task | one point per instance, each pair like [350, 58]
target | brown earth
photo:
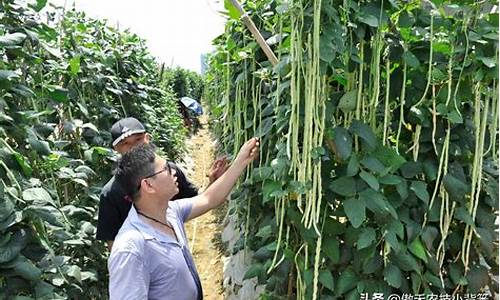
[204, 232]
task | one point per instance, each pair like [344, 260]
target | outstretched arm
[217, 192]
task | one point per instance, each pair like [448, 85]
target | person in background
[150, 258]
[114, 204]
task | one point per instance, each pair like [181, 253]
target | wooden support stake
[256, 34]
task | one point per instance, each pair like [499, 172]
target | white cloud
[176, 31]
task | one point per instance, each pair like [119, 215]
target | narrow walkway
[204, 232]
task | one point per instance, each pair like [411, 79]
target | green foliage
[62, 86]
[410, 143]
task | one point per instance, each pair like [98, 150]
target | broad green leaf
[74, 64]
[12, 39]
[40, 4]
[326, 279]
[74, 271]
[46, 213]
[390, 179]
[377, 203]
[353, 166]
[366, 238]
[370, 180]
[455, 188]
[6, 208]
[270, 190]
[16, 243]
[365, 133]
[38, 196]
[389, 157]
[326, 49]
[393, 275]
[25, 268]
[253, 271]
[331, 249]
[417, 249]
[490, 62]
[463, 215]
[411, 169]
[406, 262]
[343, 142]
[264, 232]
[355, 211]
[345, 186]
[429, 234]
[347, 102]
[232, 11]
[346, 282]
[411, 59]
[23, 163]
[374, 165]
[420, 189]
[478, 278]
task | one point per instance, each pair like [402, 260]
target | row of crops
[64, 80]
[379, 129]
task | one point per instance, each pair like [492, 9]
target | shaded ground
[204, 232]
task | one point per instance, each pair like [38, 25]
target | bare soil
[204, 232]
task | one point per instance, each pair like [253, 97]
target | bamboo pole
[245, 18]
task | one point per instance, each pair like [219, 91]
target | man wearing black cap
[114, 203]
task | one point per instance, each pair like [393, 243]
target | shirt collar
[148, 232]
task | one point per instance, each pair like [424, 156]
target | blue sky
[177, 31]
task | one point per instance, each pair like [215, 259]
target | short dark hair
[134, 166]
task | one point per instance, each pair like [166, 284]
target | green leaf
[374, 165]
[389, 157]
[40, 4]
[74, 271]
[420, 189]
[58, 93]
[74, 64]
[253, 271]
[343, 142]
[38, 196]
[365, 133]
[7, 75]
[16, 243]
[366, 238]
[353, 166]
[48, 214]
[489, 62]
[326, 49]
[270, 190]
[355, 211]
[6, 208]
[331, 249]
[377, 203]
[463, 215]
[232, 11]
[390, 179]
[26, 269]
[417, 249]
[393, 275]
[406, 262]
[326, 279]
[23, 163]
[411, 59]
[478, 278]
[370, 180]
[264, 232]
[347, 102]
[12, 39]
[345, 186]
[455, 188]
[346, 282]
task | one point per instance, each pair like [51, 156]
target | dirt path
[204, 232]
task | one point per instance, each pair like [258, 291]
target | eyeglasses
[165, 168]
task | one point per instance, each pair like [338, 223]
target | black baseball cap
[125, 128]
